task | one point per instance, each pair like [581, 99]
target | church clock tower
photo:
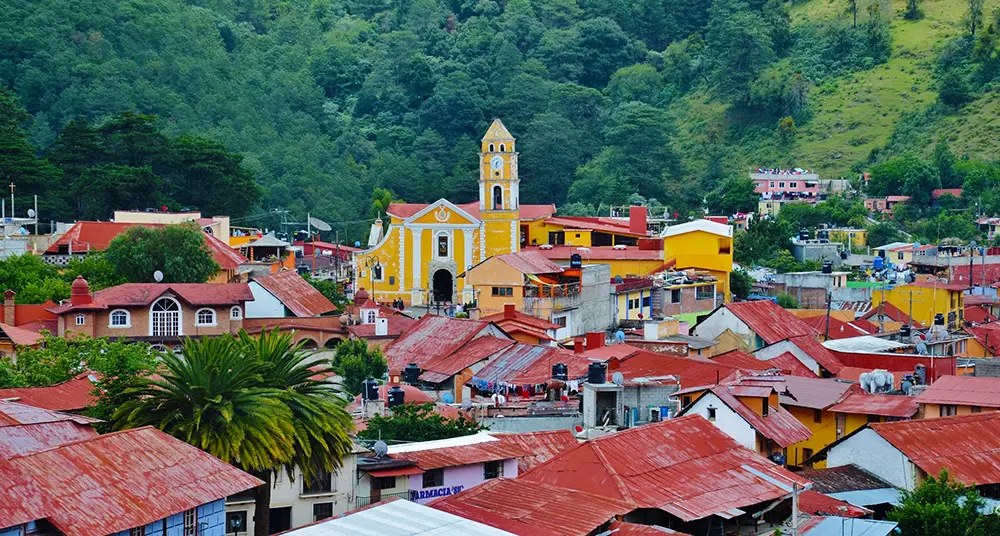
[499, 198]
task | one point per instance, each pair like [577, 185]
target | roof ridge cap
[622, 489]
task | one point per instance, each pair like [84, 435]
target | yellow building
[510, 278]
[926, 299]
[851, 237]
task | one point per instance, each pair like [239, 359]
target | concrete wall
[539, 423]
[456, 479]
[817, 252]
[644, 396]
[871, 452]
[726, 420]
[721, 320]
[778, 348]
[264, 304]
[594, 312]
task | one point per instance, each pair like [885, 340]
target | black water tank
[369, 389]
[803, 234]
[575, 261]
[823, 234]
[939, 319]
[396, 396]
[827, 267]
[597, 373]
[410, 373]
[560, 372]
[843, 255]
[905, 330]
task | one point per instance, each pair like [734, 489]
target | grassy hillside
[856, 113]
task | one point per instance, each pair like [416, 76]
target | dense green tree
[178, 251]
[205, 175]
[417, 422]
[740, 284]
[735, 194]
[740, 46]
[640, 82]
[940, 506]
[355, 362]
[883, 233]
[974, 16]
[18, 163]
[787, 301]
[920, 179]
[329, 289]
[551, 152]
[96, 269]
[762, 240]
[32, 279]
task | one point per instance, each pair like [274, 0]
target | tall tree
[204, 174]
[178, 251]
[417, 422]
[974, 16]
[355, 362]
[740, 46]
[18, 163]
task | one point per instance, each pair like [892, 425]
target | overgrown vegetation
[417, 422]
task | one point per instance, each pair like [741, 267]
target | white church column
[401, 277]
[515, 236]
[467, 259]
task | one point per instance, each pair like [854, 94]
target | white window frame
[437, 240]
[158, 348]
[197, 317]
[81, 320]
[236, 313]
[180, 317]
[111, 319]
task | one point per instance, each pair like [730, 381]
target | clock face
[496, 163]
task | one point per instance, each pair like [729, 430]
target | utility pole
[829, 300]
[12, 200]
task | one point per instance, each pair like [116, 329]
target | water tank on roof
[878, 263]
[920, 374]
[597, 373]
[905, 330]
[843, 255]
[560, 372]
[803, 234]
[823, 234]
[827, 267]
[410, 373]
[939, 319]
[369, 389]
[395, 397]
[575, 261]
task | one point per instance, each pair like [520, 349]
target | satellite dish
[619, 280]
[380, 448]
[357, 243]
[620, 336]
[466, 404]
[319, 224]
[617, 378]
[158, 276]
[447, 398]
[921, 348]
[31, 214]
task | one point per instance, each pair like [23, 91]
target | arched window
[370, 317]
[165, 318]
[205, 317]
[120, 319]
[503, 148]
[491, 147]
[497, 198]
[81, 320]
[158, 348]
[236, 313]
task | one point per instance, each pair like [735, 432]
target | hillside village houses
[622, 388]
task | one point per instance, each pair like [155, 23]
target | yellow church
[420, 257]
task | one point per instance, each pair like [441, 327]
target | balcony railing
[361, 502]
[552, 291]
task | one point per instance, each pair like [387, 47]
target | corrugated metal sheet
[978, 314]
[968, 446]
[451, 456]
[779, 426]
[301, 298]
[430, 338]
[545, 509]
[22, 439]
[398, 518]
[839, 526]
[891, 312]
[818, 352]
[684, 466]
[543, 446]
[963, 390]
[690, 371]
[71, 395]
[14, 413]
[843, 478]
[818, 504]
[126, 479]
[736, 358]
[838, 328]
[21, 500]
[988, 335]
[885, 405]
[531, 364]
[787, 362]
[815, 393]
[530, 262]
[518, 317]
[769, 321]
[871, 497]
[443, 367]
[620, 528]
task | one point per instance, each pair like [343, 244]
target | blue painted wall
[211, 519]
[11, 531]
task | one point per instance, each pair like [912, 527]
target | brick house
[158, 313]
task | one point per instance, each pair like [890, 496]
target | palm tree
[250, 401]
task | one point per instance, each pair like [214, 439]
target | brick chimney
[637, 220]
[578, 345]
[509, 311]
[9, 307]
[595, 339]
[79, 292]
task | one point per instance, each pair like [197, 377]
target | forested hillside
[328, 100]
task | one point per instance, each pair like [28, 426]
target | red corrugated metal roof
[815, 350]
[21, 500]
[963, 390]
[395, 327]
[226, 257]
[530, 262]
[838, 328]
[542, 445]
[530, 364]
[818, 504]
[779, 425]
[769, 321]
[598, 253]
[619, 351]
[736, 358]
[884, 405]
[954, 287]
[960, 274]
[938, 192]
[21, 336]
[445, 366]
[144, 294]
[978, 314]
[71, 395]
[685, 466]
[13, 413]
[127, 479]
[525, 212]
[301, 298]
[689, 371]
[968, 445]
[602, 225]
[517, 317]
[430, 338]
[891, 312]
[543, 508]
[622, 528]
[22, 439]
[988, 335]
[787, 362]
[504, 448]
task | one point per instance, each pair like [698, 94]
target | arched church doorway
[443, 283]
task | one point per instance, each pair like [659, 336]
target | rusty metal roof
[821, 354]
[685, 466]
[689, 371]
[530, 364]
[963, 390]
[430, 338]
[843, 478]
[454, 452]
[769, 321]
[779, 425]
[838, 328]
[122, 480]
[968, 445]
[14, 413]
[891, 312]
[787, 362]
[978, 314]
[443, 367]
[813, 393]
[736, 358]
[22, 439]
[818, 504]
[622, 528]
[292, 290]
[517, 317]
[20, 499]
[543, 445]
[988, 335]
[70, 395]
[885, 405]
[530, 262]
[545, 509]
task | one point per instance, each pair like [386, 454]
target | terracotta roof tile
[21, 337]
[144, 294]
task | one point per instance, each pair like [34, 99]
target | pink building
[779, 184]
